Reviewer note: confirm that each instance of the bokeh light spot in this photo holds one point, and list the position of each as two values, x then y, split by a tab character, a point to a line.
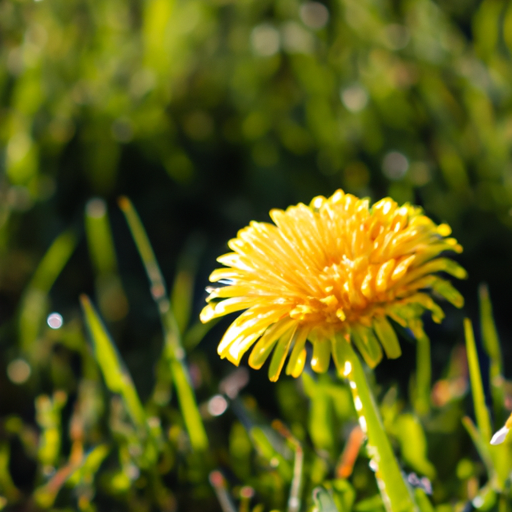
396	36
217	405
18	371
394	165
55	321
354	98
96	208
265	40
296	39
314	15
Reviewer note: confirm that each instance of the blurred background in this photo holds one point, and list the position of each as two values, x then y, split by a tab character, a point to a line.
207	114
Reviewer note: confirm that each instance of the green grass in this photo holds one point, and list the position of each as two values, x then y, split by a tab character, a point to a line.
98	445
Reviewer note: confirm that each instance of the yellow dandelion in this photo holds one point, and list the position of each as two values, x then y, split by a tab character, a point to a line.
331	273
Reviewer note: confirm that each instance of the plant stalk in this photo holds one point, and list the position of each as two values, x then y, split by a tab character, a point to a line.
395	492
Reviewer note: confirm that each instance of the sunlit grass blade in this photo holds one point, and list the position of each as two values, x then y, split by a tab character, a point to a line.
413	442
116	376
483	447
111	298
481	412
173	350
496	458
501	455
34	305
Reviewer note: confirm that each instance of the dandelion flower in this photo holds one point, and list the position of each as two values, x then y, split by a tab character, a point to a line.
331	273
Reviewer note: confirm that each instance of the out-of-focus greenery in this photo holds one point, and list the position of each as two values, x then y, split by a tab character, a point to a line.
207	113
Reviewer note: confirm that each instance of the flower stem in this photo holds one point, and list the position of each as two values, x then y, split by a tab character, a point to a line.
394	490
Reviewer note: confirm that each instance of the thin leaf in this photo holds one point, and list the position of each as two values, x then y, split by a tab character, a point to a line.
99	237
116	375
491	345
483	447
183	287
414	444
34	304
173	351
482	414
489	333
111	297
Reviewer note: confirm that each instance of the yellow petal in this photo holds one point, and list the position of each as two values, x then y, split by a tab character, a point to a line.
280	353
387	337
262	349
298	355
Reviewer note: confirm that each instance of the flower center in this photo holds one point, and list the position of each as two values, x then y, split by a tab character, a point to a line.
337	295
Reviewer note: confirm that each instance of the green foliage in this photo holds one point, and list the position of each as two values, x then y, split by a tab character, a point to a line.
207	114
163	450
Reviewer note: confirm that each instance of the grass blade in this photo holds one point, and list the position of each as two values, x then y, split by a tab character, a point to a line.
481	413
116	376
173	350
483	448
99	237
492	347
34	305
183	286
111	298
489	334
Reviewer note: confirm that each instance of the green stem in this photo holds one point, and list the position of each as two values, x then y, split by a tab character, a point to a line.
394	491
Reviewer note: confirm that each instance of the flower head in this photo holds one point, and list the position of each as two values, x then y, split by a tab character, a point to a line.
331	273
